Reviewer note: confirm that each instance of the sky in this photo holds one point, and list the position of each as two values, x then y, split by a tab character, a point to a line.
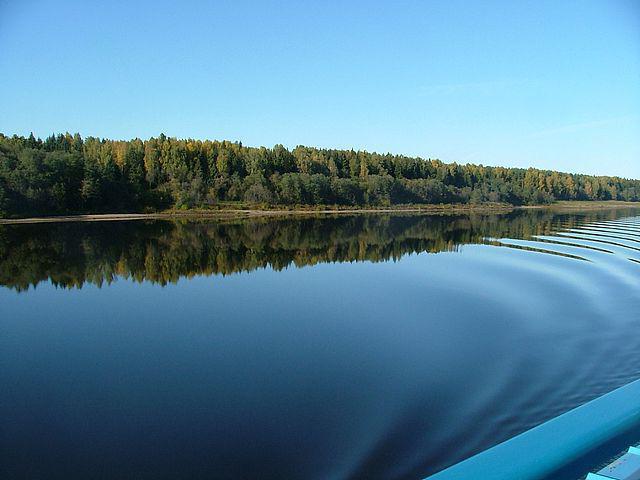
546	84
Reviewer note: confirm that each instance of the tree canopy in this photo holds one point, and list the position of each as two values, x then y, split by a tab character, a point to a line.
65	173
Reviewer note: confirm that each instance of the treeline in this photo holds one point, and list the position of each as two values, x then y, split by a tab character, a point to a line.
66	173
72	254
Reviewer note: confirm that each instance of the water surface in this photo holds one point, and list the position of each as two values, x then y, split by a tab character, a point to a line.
350	347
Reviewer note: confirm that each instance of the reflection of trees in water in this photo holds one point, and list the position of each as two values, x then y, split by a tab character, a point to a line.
70	254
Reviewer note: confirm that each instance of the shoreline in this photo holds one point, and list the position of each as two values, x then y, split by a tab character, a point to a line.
239	213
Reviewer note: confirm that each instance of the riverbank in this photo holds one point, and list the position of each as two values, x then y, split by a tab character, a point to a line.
233	212
574	205
227	212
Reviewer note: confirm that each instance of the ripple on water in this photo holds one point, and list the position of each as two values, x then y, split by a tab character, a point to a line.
597	353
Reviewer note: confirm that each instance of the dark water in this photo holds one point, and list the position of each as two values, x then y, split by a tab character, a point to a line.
364	347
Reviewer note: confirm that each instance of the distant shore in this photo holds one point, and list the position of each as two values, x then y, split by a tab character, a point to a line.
252	211
574	205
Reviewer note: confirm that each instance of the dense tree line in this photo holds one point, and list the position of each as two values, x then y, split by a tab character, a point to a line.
66	173
72	254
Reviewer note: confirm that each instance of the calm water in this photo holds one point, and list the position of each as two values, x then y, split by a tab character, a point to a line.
366	347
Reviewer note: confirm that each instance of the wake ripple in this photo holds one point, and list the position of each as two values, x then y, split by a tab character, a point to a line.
590	305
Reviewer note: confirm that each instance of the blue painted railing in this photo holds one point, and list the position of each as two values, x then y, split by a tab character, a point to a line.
547	448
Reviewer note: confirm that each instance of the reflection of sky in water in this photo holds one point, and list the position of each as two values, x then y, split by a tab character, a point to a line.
340	370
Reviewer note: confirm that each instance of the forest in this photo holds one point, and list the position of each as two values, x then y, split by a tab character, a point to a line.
65	174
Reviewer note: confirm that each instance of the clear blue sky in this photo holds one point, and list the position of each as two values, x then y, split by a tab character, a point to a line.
550	84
